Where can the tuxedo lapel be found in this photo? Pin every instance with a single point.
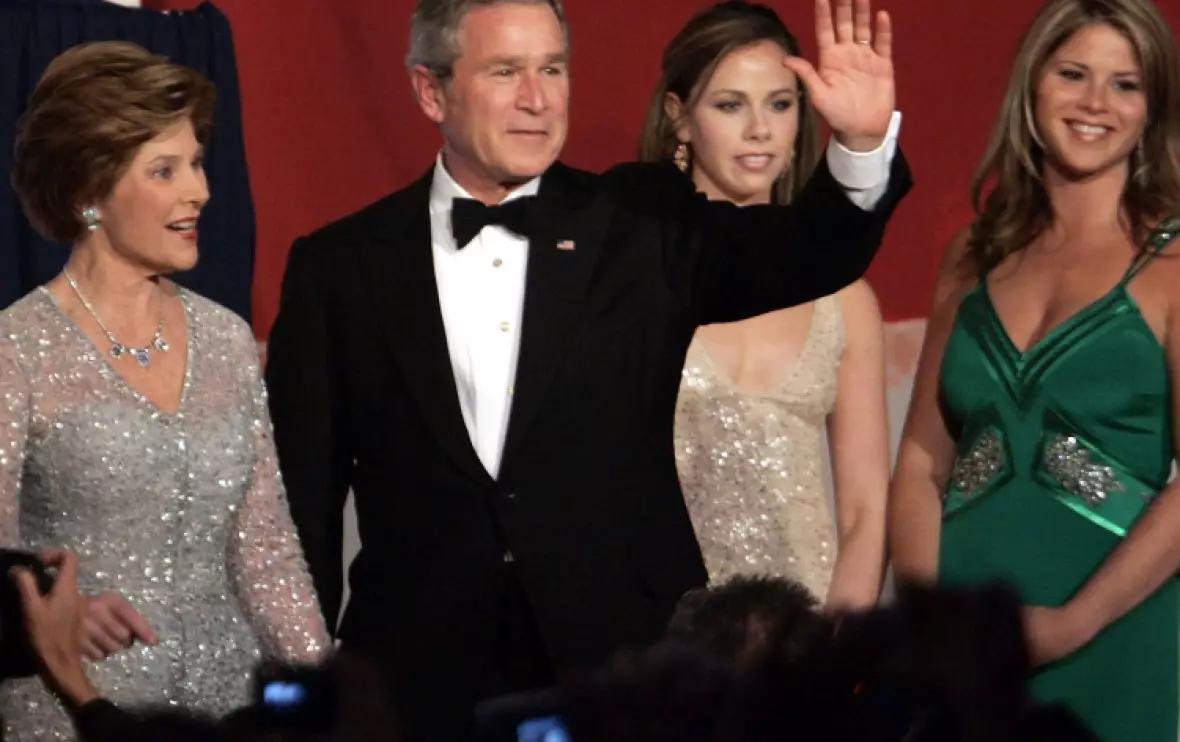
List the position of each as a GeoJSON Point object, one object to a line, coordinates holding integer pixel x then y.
{"type": "Point", "coordinates": [401, 278]}
{"type": "Point", "coordinates": [564, 244]}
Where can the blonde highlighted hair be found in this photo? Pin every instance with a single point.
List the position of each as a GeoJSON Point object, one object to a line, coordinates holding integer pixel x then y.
{"type": "Point", "coordinates": [1008, 194]}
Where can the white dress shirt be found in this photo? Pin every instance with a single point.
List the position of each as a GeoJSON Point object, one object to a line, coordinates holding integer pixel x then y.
{"type": "Point", "coordinates": [481, 290]}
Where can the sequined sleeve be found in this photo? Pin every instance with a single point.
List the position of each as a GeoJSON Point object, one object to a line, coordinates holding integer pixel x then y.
{"type": "Point", "coordinates": [14, 414]}
{"type": "Point", "coordinates": [266, 558]}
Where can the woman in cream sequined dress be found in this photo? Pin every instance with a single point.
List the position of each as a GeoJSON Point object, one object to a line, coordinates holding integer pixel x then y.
{"type": "Point", "coordinates": [756, 394]}
{"type": "Point", "coordinates": [133, 422]}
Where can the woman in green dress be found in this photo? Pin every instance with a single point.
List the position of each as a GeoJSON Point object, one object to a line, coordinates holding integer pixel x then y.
{"type": "Point", "coordinates": [1042, 430]}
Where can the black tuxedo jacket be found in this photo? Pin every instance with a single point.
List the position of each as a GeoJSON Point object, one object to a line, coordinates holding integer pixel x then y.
{"type": "Point", "coordinates": [587, 501]}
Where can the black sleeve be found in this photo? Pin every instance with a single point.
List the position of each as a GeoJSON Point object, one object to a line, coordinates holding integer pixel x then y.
{"type": "Point", "coordinates": [310, 439]}
{"type": "Point", "coordinates": [730, 263]}
{"type": "Point", "coordinates": [102, 721]}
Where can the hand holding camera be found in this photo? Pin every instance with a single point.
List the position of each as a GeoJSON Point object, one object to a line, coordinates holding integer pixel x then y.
{"type": "Point", "coordinates": [52, 611]}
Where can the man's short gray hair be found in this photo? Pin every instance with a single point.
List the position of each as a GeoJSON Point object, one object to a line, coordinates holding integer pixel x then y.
{"type": "Point", "coordinates": [434, 31]}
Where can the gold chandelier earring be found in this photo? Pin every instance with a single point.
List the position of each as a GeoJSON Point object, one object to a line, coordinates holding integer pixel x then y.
{"type": "Point", "coordinates": [680, 157]}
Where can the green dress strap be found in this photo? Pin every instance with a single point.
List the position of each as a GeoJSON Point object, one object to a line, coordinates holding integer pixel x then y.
{"type": "Point", "coordinates": [1159, 238]}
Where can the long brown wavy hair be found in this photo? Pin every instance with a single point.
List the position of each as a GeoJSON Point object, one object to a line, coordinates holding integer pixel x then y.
{"type": "Point", "coordinates": [1011, 205]}
{"type": "Point", "coordinates": [689, 63]}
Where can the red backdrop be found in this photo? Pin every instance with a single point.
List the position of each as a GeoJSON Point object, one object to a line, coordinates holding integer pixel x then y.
{"type": "Point", "coordinates": [330, 124]}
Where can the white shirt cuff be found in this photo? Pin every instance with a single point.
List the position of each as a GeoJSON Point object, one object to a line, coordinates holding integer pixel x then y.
{"type": "Point", "coordinates": [865, 175]}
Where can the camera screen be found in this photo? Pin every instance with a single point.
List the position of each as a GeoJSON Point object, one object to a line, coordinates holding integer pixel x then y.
{"type": "Point", "coordinates": [545, 729]}
{"type": "Point", "coordinates": [281, 695]}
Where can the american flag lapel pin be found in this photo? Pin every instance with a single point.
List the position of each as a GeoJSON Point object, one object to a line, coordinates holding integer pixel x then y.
{"type": "Point", "coordinates": [565, 245]}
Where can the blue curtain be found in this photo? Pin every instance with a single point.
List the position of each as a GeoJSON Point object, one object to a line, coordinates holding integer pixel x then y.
{"type": "Point", "coordinates": [32, 33]}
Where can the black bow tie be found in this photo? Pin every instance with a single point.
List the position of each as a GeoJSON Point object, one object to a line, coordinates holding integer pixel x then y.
{"type": "Point", "coordinates": [469, 216]}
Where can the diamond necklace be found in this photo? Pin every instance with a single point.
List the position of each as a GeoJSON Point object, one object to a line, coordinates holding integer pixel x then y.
{"type": "Point", "coordinates": [118, 350]}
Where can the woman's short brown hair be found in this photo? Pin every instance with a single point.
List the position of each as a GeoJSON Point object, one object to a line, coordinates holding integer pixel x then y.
{"type": "Point", "coordinates": [93, 108]}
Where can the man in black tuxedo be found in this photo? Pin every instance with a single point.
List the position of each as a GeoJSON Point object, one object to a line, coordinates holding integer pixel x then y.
{"type": "Point", "coordinates": [490, 359]}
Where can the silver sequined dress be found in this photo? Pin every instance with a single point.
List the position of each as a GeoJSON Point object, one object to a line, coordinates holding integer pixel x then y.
{"type": "Point", "coordinates": [183, 514]}
{"type": "Point", "coordinates": [751, 466]}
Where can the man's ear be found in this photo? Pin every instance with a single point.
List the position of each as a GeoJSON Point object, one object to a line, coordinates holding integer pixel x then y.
{"type": "Point", "coordinates": [677, 114]}
{"type": "Point", "coordinates": [429, 92]}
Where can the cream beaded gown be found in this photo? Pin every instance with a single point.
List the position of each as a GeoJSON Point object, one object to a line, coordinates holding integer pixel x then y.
{"type": "Point", "coordinates": [183, 514]}
{"type": "Point", "coordinates": [751, 466]}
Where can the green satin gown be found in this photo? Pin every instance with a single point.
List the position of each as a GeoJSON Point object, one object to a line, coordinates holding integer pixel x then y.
{"type": "Point", "coordinates": [1061, 448]}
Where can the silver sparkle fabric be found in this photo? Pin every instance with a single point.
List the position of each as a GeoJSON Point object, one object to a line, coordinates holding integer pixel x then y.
{"type": "Point", "coordinates": [979, 466]}
{"type": "Point", "coordinates": [183, 514]}
{"type": "Point", "coordinates": [751, 466]}
{"type": "Point", "coordinates": [1069, 462]}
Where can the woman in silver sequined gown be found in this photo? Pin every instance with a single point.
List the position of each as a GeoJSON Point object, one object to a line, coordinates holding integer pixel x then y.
{"type": "Point", "coordinates": [756, 394]}
{"type": "Point", "coordinates": [154, 463]}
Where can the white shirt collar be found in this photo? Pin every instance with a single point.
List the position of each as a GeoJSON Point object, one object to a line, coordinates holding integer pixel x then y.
{"type": "Point", "coordinates": [443, 189]}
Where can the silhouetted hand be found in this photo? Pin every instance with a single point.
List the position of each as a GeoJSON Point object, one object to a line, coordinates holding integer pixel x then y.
{"type": "Point", "coordinates": [53, 624]}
